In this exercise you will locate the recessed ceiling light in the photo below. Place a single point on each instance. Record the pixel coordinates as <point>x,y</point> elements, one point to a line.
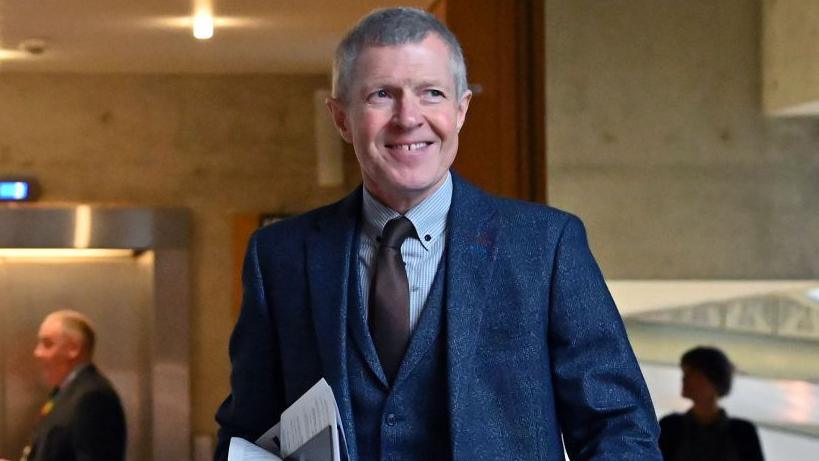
<point>203,26</point>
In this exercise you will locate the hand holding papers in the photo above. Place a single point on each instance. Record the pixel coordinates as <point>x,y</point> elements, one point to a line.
<point>310,430</point>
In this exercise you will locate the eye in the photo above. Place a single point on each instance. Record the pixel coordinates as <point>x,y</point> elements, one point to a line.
<point>434,95</point>
<point>379,94</point>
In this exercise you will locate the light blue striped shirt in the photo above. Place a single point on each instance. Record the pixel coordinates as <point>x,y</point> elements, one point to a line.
<point>421,252</point>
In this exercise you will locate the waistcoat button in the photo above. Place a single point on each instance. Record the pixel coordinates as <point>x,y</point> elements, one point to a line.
<point>391,419</point>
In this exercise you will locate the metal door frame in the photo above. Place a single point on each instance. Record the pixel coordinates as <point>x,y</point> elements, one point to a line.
<point>165,232</point>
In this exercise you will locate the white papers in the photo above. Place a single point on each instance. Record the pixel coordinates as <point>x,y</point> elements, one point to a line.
<point>302,422</point>
<point>309,415</point>
<point>242,450</point>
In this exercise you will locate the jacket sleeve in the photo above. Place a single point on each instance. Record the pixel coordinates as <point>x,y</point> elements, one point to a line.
<point>99,427</point>
<point>670,433</point>
<point>255,401</point>
<point>746,440</point>
<point>604,407</point>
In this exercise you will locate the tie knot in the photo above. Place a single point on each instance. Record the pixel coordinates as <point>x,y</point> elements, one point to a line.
<point>396,231</point>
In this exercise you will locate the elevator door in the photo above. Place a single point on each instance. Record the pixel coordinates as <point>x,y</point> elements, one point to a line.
<point>117,294</point>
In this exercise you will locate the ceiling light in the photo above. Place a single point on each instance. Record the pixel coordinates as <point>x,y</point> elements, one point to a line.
<point>203,26</point>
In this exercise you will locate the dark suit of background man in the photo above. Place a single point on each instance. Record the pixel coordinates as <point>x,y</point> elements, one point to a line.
<point>83,419</point>
<point>515,339</point>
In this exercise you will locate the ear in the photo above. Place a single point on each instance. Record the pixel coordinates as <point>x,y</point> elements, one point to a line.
<point>73,348</point>
<point>339,115</point>
<point>463,106</point>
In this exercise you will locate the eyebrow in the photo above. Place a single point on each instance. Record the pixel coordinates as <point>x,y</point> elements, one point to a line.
<point>378,83</point>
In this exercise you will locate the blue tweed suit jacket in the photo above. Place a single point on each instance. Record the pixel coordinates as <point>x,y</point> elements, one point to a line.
<point>535,348</point>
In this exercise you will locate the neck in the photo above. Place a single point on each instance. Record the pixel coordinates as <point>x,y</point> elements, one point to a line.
<point>401,202</point>
<point>706,412</point>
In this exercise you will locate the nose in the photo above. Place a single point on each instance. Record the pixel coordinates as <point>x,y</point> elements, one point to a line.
<point>408,113</point>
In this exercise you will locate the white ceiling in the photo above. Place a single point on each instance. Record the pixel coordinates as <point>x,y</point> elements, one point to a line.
<point>154,36</point>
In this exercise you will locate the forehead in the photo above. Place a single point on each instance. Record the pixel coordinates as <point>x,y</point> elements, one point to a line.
<point>429,59</point>
<point>689,370</point>
<point>51,327</point>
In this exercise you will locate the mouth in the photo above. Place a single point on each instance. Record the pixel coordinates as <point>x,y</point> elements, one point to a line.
<point>409,147</point>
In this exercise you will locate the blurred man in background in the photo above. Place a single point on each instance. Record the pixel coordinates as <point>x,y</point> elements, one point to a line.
<point>83,417</point>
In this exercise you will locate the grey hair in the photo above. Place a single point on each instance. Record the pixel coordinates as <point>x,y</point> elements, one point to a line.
<point>388,27</point>
<point>78,326</point>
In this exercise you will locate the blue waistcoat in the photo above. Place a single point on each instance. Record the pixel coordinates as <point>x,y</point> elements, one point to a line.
<point>410,420</point>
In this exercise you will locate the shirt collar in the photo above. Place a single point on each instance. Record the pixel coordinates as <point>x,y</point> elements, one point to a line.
<point>428,217</point>
<point>71,376</point>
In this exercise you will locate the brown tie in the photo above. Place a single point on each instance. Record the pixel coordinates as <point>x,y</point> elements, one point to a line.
<point>389,298</point>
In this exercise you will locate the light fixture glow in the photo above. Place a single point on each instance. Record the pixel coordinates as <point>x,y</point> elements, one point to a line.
<point>203,26</point>
<point>42,253</point>
<point>82,226</point>
<point>11,54</point>
<point>222,22</point>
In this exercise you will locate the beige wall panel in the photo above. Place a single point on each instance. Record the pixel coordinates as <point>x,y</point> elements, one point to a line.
<point>657,140</point>
<point>790,57</point>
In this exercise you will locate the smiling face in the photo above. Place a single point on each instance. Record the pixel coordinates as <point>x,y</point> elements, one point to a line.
<point>57,351</point>
<point>402,116</point>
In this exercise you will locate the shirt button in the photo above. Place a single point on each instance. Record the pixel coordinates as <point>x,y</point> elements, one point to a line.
<point>391,419</point>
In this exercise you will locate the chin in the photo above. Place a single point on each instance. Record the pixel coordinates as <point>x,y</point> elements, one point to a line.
<point>418,181</point>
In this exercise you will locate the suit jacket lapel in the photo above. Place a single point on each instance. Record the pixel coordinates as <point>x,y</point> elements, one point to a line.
<point>328,257</point>
<point>357,326</point>
<point>471,252</point>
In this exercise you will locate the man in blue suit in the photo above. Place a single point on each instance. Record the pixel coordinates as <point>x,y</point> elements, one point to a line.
<point>449,323</point>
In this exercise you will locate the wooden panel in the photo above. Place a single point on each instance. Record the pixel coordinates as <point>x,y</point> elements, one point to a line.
<point>502,144</point>
<point>243,227</point>
<point>438,8</point>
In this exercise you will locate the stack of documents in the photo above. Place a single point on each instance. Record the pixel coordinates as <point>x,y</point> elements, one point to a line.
<point>309,430</point>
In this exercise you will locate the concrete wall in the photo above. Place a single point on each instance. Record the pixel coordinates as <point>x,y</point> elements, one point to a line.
<point>656,138</point>
<point>219,145</point>
<point>790,56</point>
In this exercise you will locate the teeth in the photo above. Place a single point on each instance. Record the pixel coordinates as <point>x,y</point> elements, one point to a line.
<point>410,147</point>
